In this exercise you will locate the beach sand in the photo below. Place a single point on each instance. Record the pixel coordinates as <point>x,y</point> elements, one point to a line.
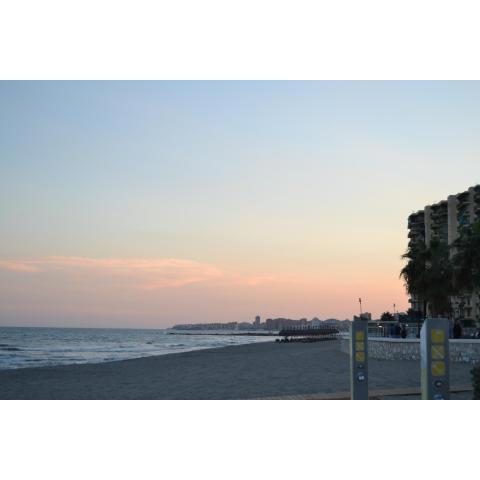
<point>237,372</point>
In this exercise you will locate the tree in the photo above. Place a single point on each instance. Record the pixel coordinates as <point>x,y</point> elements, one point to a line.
<point>386,317</point>
<point>428,276</point>
<point>414,314</point>
<point>466,262</point>
<point>466,259</point>
<point>413,273</point>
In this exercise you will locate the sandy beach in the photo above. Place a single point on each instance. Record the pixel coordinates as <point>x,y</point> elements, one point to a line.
<point>236,372</point>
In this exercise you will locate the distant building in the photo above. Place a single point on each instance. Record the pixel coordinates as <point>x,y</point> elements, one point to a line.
<point>281,323</point>
<point>206,326</point>
<point>244,326</point>
<point>443,221</point>
<point>273,324</point>
<point>315,322</point>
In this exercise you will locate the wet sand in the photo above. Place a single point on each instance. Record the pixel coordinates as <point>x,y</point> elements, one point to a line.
<point>237,372</point>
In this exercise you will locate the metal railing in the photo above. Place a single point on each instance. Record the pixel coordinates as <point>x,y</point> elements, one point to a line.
<point>412,330</point>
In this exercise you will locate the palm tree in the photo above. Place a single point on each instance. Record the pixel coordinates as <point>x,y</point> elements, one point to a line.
<point>387,317</point>
<point>428,276</point>
<point>413,273</point>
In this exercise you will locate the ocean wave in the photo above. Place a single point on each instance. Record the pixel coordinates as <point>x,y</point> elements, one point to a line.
<point>46,347</point>
<point>99,349</point>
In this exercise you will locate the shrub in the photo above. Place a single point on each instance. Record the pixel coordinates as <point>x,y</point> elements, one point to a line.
<point>476,382</point>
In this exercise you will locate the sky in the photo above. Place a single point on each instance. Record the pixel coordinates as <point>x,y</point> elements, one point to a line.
<point>145,204</point>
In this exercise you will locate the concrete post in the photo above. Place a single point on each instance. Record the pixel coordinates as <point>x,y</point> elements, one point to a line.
<point>434,359</point>
<point>359,359</point>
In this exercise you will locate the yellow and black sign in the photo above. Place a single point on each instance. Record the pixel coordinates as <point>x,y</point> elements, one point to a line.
<point>359,360</point>
<point>434,359</point>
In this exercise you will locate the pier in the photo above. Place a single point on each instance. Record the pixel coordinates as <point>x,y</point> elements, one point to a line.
<point>308,334</point>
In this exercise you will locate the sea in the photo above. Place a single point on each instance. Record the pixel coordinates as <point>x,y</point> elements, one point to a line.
<point>22,347</point>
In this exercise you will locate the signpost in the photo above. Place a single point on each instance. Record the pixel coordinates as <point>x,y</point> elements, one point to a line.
<point>359,359</point>
<point>434,359</point>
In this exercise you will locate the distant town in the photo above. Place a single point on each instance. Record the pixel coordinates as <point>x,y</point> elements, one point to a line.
<point>270,324</point>
<point>277,324</point>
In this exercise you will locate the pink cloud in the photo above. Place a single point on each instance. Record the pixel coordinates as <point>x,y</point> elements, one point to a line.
<point>146,273</point>
<point>18,266</point>
<point>254,280</point>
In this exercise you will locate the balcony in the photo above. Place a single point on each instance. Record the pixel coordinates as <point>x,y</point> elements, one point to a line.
<point>464,221</point>
<point>439,214</point>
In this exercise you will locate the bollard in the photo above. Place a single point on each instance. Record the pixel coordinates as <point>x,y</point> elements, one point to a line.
<point>359,360</point>
<point>434,359</point>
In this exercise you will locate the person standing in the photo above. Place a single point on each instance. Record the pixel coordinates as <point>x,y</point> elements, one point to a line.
<point>457,329</point>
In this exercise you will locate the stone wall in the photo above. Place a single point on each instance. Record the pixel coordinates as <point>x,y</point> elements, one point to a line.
<point>409,349</point>
<point>465,351</point>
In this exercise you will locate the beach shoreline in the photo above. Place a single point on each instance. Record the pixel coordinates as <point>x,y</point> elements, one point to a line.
<point>24,347</point>
<point>249,371</point>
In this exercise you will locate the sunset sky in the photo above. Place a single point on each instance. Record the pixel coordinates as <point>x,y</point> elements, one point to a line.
<point>144,204</point>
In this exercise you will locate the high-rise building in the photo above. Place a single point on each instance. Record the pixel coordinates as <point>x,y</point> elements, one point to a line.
<point>442,221</point>
<point>256,324</point>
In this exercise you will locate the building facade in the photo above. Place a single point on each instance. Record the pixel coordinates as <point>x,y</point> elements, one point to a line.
<point>443,221</point>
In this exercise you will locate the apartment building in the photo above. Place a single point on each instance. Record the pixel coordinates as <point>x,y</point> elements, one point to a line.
<point>443,221</point>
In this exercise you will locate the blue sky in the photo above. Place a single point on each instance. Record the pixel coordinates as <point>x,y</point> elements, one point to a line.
<point>303,182</point>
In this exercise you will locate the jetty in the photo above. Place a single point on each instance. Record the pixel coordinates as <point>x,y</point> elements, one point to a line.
<point>308,334</point>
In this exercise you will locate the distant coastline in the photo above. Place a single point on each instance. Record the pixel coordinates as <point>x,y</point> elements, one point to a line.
<point>270,324</point>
